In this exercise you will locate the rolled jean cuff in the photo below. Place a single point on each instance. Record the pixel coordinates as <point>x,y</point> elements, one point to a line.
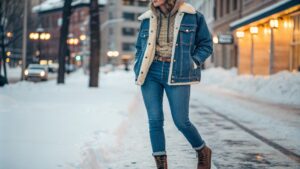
<point>159,153</point>
<point>199,147</point>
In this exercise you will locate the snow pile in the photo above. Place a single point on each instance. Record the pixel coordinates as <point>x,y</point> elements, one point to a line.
<point>282,87</point>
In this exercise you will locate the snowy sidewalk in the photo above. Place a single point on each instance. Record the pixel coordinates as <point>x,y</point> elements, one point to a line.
<point>71,126</point>
<point>134,151</point>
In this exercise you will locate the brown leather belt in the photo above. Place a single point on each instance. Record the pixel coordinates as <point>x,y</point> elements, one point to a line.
<point>162,59</point>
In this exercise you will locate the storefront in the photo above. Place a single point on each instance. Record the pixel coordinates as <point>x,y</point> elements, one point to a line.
<point>269,40</point>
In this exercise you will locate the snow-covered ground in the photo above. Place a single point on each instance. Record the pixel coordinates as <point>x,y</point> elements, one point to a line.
<point>43,125</point>
<point>282,87</point>
<point>71,126</point>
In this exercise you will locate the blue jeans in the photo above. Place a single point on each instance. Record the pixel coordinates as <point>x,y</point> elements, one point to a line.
<point>178,96</point>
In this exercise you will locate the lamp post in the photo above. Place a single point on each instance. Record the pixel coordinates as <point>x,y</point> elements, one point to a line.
<point>72,42</point>
<point>39,35</point>
<point>273,25</point>
<point>111,55</point>
<point>253,31</point>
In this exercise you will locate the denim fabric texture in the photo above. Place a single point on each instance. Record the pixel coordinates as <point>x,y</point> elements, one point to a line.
<point>178,97</point>
<point>191,48</point>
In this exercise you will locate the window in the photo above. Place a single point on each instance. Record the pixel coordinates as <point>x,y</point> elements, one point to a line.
<point>110,15</point>
<point>128,47</point>
<point>128,31</point>
<point>143,3</point>
<point>221,8</point>
<point>215,10</point>
<point>235,4</point>
<point>129,16</point>
<point>227,6</point>
<point>128,2</point>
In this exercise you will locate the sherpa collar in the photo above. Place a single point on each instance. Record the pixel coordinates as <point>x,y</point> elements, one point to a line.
<point>185,8</point>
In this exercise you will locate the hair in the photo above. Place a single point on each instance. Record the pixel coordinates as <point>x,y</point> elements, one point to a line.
<point>169,4</point>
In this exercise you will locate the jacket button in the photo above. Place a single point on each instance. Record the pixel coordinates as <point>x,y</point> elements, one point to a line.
<point>174,60</point>
<point>187,30</point>
<point>176,44</point>
<point>172,81</point>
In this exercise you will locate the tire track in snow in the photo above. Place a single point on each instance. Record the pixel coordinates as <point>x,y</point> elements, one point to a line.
<point>283,150</point>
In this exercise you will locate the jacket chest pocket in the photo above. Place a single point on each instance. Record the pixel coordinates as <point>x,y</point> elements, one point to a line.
<point>187,34</point>
<point>144,38</point>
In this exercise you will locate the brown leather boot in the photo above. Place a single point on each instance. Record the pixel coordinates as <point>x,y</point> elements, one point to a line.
<point>161,161</point>
<point>204,158</point>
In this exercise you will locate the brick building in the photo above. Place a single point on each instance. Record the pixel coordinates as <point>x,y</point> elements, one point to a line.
<point>50,20</point>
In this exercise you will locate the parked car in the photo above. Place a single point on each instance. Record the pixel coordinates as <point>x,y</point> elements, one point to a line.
<point>36,72</point>
<point>53,67</point>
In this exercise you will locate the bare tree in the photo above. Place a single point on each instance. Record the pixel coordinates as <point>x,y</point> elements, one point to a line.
<point>64,31</point>
<point>95,43</point>
<point>9,11</point>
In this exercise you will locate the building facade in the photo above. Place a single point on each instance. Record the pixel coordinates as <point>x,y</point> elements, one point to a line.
<point>50,21</point>
<point>226,12</point>
<point>268,40</point>
<point>206,7</point>
<point>120,31</point>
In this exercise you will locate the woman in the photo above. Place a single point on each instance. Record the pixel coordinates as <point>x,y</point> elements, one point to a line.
<point>172,45</point>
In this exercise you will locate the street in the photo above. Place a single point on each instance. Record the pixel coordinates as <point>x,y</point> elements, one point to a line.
<point>107,127</point>
<point>233,146</point>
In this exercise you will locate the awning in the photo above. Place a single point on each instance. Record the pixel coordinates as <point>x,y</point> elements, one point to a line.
<point>268,11</point>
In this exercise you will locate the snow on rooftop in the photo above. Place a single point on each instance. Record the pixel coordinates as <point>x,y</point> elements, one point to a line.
<point>56,4</point>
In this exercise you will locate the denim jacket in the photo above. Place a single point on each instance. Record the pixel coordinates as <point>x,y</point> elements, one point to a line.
<point>192,45</point>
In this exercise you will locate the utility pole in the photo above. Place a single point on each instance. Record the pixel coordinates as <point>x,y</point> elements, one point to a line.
<point>64,31</point>
<point>95,43</point>
<point>24,42</point>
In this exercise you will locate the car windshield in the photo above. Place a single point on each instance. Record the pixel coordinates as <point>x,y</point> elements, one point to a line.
<point>37,68</point>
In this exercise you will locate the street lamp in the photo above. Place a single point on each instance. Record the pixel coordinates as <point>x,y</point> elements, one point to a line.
<point>112,54</point>
<point>253,31</point>
<point>39,35</point>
